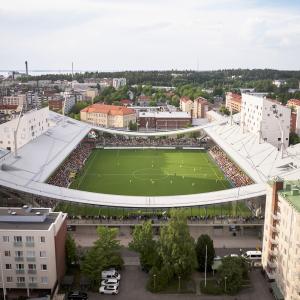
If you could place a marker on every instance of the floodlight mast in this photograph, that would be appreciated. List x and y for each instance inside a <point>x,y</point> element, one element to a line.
<point>16,132</point>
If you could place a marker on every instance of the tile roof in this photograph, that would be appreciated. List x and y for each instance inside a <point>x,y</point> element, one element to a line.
<point>293,102</point>
<point>108,109</point>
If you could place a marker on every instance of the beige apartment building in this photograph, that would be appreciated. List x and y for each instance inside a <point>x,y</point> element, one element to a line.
<point>281,241</point>
<point>186,104</point>
<point>233,102</point>
<point>32,249</point>
<point>109,116</point>
<point>197,108</point>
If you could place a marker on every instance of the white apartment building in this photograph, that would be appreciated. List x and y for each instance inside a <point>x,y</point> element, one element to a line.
<point>69,102</point>
<point>268,119</point>
<point>281,241</point>
<point>31,125</point>
<point>32,249</point>
<point>118,82</point>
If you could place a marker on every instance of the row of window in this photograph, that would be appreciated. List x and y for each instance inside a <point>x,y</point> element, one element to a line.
<point>30,253</point>
<point>44,279</point>
<point>19,239</point>
<point>30,267</point>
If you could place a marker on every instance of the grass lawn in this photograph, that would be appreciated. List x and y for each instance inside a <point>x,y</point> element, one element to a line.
<point>150,173</point>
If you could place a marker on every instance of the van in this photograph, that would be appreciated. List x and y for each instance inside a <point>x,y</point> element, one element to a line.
<point>253,255</point>
<point>110,274</point>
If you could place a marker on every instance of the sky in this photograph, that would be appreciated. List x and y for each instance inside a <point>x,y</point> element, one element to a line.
<point>113,35</point>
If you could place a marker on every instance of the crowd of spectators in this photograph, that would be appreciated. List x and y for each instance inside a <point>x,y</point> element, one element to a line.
<point>123,141</point>
<point>72,165</point>
<point>231,171</point>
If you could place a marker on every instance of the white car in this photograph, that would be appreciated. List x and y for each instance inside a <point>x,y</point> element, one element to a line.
<point>110,281</point>
<point>110,274</point>
<point>109,290</point>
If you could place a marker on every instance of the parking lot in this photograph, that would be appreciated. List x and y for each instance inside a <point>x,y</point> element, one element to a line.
<point>133,283</point>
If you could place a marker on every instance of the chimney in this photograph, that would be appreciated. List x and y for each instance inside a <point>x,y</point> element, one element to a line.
<point>26,67</point>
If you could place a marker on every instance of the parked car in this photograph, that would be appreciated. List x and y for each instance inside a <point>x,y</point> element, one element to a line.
<point>77,295</point>
<point>110,274</point>
<point>109,289</point>
<point>110,281</point>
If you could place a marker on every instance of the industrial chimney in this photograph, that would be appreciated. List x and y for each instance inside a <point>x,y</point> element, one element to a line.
<point>26,67</point>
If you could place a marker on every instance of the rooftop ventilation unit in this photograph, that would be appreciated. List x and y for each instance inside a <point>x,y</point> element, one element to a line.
<point>13,213</point>
<point>38,213</point>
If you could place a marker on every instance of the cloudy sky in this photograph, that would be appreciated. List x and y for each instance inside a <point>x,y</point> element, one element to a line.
<point>150,34</point>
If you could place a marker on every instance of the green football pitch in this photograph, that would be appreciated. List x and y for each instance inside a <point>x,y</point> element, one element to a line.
<point>150,173</point>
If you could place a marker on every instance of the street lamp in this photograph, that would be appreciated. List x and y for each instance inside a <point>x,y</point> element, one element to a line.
<point>225,284</point>
<point>179,277</point>
<point>154,277</point>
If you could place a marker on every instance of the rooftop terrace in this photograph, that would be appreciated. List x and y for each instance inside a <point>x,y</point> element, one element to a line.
<point>291,193</point>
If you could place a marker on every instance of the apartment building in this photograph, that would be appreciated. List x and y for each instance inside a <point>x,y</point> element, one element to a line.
<point>111,116</point>
<point>118,82</point>
<point>186,104</point>
<point>294,105</point>
<point>32,249</point>
<point>267,119</point>
<point>281,241</point>
<point>19,100</point>
<point>233,102</point>
<point>31,125</point>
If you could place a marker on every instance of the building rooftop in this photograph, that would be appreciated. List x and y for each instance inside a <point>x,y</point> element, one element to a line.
<point>291,193</point>
<point>26,218</point>
<point>108,109</point>
<point>165,114</point>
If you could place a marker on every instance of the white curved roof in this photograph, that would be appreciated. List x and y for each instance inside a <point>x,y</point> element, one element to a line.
<point>39,158</point>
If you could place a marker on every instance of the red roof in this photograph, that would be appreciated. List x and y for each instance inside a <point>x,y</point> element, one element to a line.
<point>126,101</point>
<point>201,100</point>
<point>185,99</point>
<point>293,102</point>
<point>144,98</point>
<point>235,97</point>
<point>108,109</point>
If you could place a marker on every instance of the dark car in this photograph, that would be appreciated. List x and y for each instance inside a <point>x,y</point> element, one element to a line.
<point>77,295</point>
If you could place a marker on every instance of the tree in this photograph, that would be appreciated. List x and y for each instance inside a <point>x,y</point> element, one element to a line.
<point>232,272</point>
<point>176,246</point>
<point>104,254</point>
<point>224,110</point>
<point>143,243</point>
<point>132,126</point>
<point>71,254</point>
<point>203,241</point>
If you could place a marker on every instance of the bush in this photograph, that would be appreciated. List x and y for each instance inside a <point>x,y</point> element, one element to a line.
<point>160,281</point>
<point>212,287</point>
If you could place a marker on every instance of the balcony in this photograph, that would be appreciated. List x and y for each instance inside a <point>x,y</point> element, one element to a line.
<point>32,285</point>
<point>272,263</point>
<point>21,284</point>
<point>276,216</point>
<point>20,271</point>
<point>19,258</point>
<point>29,244</point>
<point>18,244</point>
<point>274,228</point>
<point>30,258</point>
<point>273,252</point>
<point>273,240</point>
<point>31,271</point>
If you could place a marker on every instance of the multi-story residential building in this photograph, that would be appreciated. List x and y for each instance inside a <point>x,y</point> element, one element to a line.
<point>164,120</point>
<point>268,119</point>
<point>32,249</point>
<point>108,115</point>
<point>294,105</point>
<point>186,104</point>
<point>19,100</point>
<point>281,241</point>
<point>200,108</point>
<point>30,125</point>
<point>118,82</point>
<point>233,102</point>
<point>90,93</point>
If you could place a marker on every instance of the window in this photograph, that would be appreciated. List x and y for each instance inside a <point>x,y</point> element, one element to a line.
<point>7,253</point>
<point>8,266</point>
<point>42,253</point>
<point>9,279</point>
<point>19,253</point>
<point>32,280</point>
<point>18,239</point>
<point>32,266</point>
<point>21,279</point>
<point>20,266</point>
<point>30,253</point>
<point>29,239</point>
<point>5,239</point>
<point>44,280</point>
<point>44,267</point>
<point>42,239</point>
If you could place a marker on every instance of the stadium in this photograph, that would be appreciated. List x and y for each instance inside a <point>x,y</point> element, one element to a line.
<point>75,162</point>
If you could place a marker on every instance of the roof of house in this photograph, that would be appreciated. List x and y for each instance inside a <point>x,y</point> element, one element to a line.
<point>185,99</point>
<point>144,98</point>
<point>201,100</point>
<point>108,109</point>
<point>235,97</point>
<point>126,101</point>
<point>294,102</point>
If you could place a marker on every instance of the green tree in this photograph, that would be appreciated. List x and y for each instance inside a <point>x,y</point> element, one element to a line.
<point>176,246</point>
<point>224,110</point>
<point>104,254</point>
<point>71,254</point>
<point>203,241</point>
<point>132,126</point>
<point>233,270</point>
<point>144,243</point>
